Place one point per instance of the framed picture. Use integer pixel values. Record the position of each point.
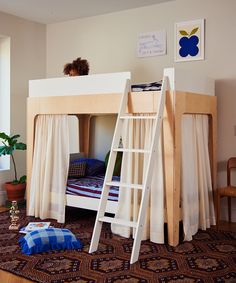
(151, 44)
(189, 40)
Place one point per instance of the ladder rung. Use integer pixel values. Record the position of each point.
(131, 150)
(118, 221)
(125, 185)
(138, 117)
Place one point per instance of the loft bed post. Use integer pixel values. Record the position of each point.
(173, 235)
(84, 133)
(213, 150)
(31, 120)
(213, 145)
(169, 173)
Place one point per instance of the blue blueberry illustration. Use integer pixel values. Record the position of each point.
(188, 43)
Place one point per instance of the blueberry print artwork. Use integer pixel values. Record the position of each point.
(189, 40)
(188, 43)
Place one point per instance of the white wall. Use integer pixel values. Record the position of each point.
(28, 61)
(5, 93)
(109, 43)
(102, 129)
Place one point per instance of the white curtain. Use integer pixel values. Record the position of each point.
(139, 136)
(196, 202)
(197, 196)
(189, 188)
(50, 167)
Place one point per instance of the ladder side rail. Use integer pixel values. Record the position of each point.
(157, 129)
(109, 171)
(147, 176)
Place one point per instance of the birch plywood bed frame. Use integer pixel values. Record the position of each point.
(178, 103)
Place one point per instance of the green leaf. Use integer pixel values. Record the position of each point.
(2, 150)
(194, 31)
(22, 179)
(12, 142)
(15, 182)
(20, 145)
(4, 136)
(183, 32)
(9, 144)
(8, 150)
(15, 137)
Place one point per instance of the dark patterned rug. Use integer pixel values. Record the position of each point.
(210, 257)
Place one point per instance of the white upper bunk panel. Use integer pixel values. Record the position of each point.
(79, 85)
(188, 81)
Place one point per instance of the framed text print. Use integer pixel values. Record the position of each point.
(151, 44)
(189, 41)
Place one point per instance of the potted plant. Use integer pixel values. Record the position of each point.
(16, 188)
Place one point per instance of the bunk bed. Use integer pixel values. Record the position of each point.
(187, 94)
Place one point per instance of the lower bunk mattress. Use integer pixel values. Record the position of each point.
(91, 186)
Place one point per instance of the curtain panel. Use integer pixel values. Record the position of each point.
(50, 167)
(196, 187)
(138, 134)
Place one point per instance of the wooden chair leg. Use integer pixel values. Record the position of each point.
(229, 209)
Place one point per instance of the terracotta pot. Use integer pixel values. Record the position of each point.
(15, 192)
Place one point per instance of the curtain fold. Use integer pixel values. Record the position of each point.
(50, 167)
(197, 195)
(189, 180)
(206, 210)
(139, 135)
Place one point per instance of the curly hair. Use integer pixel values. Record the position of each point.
(67, 68)
(81, 66)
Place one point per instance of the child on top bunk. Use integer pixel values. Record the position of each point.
(79, 67)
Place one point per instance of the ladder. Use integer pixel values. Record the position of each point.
(145, 187)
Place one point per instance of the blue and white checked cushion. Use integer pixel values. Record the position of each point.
(93, 166)
(77, 170)
(44, 240)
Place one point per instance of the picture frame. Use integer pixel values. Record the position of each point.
(189, 40)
